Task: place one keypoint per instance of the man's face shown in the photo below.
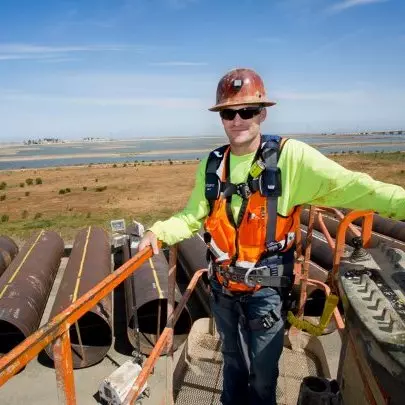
(243, 131)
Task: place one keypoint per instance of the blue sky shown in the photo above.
(127, 68)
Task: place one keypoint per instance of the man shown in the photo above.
(246, 195)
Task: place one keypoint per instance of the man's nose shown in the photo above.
(237, 120)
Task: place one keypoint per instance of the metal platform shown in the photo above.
(198, 375)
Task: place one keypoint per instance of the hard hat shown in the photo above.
(238, 87)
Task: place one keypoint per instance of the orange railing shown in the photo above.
(57, 329)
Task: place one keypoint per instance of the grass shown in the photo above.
(144, 193)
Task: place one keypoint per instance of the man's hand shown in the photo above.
(149, 239)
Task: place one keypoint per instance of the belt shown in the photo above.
(252, 277)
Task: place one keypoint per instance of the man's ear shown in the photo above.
(263, 115)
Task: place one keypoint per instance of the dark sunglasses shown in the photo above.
(245, 113)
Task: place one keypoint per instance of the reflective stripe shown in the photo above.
(218, 253)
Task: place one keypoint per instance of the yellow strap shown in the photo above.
(316, 330)
(156, 279)
(21, 264)
(79, 275)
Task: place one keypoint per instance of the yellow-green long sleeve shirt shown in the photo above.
(308, 177)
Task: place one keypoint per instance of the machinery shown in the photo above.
(372, 288)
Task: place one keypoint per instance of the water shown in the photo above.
(169, 148)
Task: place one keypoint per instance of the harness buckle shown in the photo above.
(243, 190)
(247, 279)
(274, 247)
(269, 320)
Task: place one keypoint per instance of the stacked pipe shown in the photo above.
(147, 292)
(25, 287)
(8, 250)
(88, 264)
(392, 229)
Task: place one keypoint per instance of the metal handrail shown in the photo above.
(57, 329)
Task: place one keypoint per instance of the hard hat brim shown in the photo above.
(221, 106)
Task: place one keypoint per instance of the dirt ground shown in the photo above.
(144, 192)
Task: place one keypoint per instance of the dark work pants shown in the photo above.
(256, 386)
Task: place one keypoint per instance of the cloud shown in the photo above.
(346, 4)
(331, 96)
(16, 51)
(178, 63)
(166, 102)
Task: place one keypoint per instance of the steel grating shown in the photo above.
(201, 379)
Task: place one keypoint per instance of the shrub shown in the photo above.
(37, 215)
(2, 197)
(88, 215)
(27, 193)
(29, 182)
(96, 180)
(24, 214)
(67, 190)
(84, 188)
(5, 218)
(38, 180)
(22, 184)
(114, 165)
(62, 191)
(170, 161)
(3, 185)
(124, 165)
(101, 188)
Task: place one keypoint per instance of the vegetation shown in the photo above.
(147, 196)
(3, 185)
(38, 180)
(2, 197)
(29, 182)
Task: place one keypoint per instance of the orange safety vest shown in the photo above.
(244, 243)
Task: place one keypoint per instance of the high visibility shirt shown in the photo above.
(308, 177)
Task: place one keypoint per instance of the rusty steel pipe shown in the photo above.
(192, 256)
(386, 226)
(147, 291)
(162, 342)
(8, 250)
(89, 263)
(332, 226)
(25, 287)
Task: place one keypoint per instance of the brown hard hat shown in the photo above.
(238, 87)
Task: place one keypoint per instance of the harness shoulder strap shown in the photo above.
(270, 186)
(212, 180)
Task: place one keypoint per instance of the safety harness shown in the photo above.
(264, 177)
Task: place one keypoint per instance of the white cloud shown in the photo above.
(331, 96)
(18, 51)
(167, 102)
(345, 4)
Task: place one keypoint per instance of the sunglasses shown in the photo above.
(245, 113)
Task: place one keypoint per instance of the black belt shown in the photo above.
(257, 275)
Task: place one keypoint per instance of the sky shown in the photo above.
(142, 68)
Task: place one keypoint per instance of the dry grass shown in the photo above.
(145, 192)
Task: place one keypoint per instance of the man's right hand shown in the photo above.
(149, 239)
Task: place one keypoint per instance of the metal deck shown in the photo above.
(198, 376)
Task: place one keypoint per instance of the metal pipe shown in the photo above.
(162, 342)
(21, 355)
(89, 263)
(149, 285)
(25, 287)
(8, 250)
(192, 256)
(170, 324)
(332, 226)
(386, 226)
